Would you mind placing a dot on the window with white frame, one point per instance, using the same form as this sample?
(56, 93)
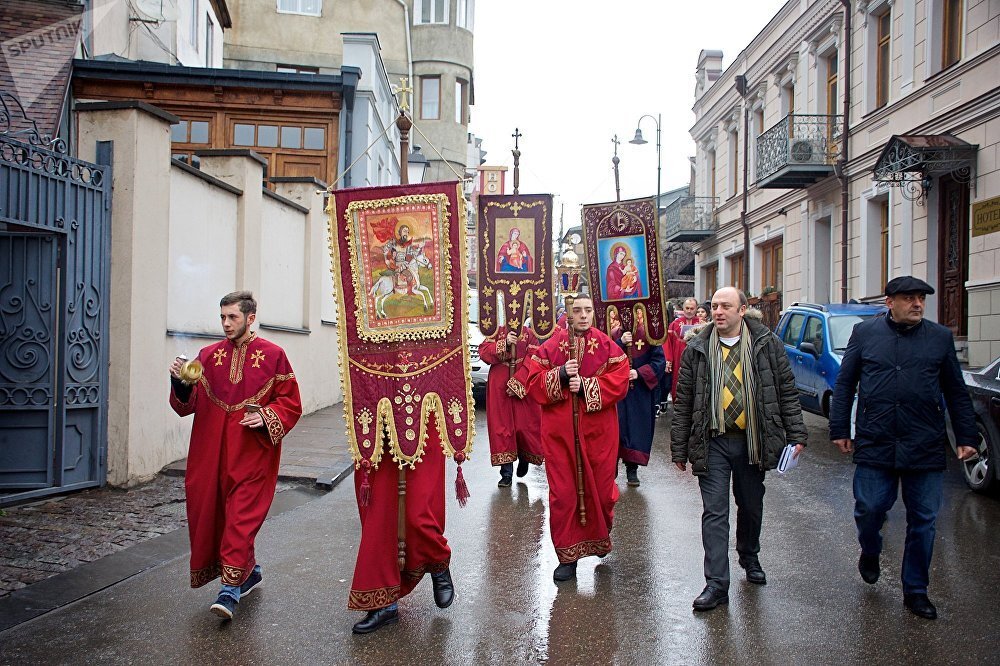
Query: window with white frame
(710, 163)
(430, 97)
(193, 24)
(787, 97)
(878, 33)
(209, 40)
(430, 11)
(461, 96)
(876, 244)
(465, 13)
(734, 161)
(945, 34)
(305, 7)
(756, 129)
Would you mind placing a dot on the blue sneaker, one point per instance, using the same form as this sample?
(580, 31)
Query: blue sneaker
(224, 606)
(252, 582)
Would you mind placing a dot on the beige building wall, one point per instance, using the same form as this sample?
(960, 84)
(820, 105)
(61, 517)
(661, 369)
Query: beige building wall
(182, 239)
(924, 98)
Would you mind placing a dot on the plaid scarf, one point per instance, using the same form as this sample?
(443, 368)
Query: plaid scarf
(716, 365)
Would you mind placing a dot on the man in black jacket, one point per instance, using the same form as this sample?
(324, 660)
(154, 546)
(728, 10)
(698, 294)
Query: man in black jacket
(900, 366)
(736, 408)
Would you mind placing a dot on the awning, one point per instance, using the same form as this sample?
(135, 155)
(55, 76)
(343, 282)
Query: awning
(911, 158)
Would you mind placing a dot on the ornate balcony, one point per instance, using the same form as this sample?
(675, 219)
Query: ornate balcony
(798, 151)
(691, 219)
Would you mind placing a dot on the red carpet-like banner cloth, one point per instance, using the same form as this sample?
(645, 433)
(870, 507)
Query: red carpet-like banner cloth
(623, 267)
(400, 280)
(515, 262)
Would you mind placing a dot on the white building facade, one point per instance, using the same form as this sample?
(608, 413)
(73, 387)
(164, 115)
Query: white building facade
(923, 186)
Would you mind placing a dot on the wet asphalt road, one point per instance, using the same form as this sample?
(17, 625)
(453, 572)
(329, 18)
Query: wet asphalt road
(634, 607)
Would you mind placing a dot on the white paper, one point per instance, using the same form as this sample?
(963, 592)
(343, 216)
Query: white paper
(787, 461)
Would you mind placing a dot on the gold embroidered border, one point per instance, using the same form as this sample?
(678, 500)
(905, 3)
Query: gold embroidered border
(553, 385)
(418, 573)
(394, 334)
(532, 458)
(254, 398)
(275, 430)
(405, 375)
(583, 549)
(592, 393)
(232, 575)
(502, 458)
(517, 388)
(206, 575)
(239, 358)
(544, 362)
(367, 600)
(502, 347)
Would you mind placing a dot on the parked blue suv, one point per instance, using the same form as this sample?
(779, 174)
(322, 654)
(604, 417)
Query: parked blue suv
(815, 338)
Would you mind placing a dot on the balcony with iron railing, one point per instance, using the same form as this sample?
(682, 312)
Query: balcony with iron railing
(691, 219)
(798, 151)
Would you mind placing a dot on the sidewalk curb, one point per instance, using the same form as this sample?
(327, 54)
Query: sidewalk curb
(65, 588)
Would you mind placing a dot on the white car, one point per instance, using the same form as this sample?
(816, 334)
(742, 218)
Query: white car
(480, 370)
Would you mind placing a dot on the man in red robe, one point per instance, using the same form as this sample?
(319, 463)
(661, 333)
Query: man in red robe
(579, 375)
(513, 422)
(244, 404)
(675, 340)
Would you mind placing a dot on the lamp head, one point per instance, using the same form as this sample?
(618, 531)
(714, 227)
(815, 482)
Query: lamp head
(637, 139)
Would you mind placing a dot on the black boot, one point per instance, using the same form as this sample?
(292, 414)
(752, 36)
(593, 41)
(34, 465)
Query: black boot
(376, 619)
(632, 474)
(444, 589)
(522, 467)
(564, 572)
(506, 473)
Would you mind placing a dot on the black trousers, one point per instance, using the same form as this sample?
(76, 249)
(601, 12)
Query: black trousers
(728, 459)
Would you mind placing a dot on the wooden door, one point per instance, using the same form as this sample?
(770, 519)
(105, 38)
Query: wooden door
(953, 260)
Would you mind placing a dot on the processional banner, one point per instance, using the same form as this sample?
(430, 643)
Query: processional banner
(623, 267)
(399, 269)
(515, 263)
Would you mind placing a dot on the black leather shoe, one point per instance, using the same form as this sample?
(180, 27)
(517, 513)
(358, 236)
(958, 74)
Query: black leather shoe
(564, 572)
(376, 619)
(632, 474)
(506, 472)
(755, 573)
(710, 598)
(522, 467)
(505, 481)
(869, 568)
(444, 589)
(920, 605)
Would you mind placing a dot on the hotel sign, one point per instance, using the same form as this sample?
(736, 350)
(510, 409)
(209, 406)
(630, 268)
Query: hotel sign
(986, 217)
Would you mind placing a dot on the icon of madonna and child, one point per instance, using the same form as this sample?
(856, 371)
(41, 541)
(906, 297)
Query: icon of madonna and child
(514, 256)
(623, 260)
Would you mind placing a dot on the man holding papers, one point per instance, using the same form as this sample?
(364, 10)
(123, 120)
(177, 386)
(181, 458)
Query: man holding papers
(736, 409)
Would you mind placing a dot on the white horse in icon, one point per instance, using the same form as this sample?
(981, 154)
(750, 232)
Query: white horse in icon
(387, 286)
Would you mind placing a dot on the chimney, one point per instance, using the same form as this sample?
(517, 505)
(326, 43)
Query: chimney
(709, 70)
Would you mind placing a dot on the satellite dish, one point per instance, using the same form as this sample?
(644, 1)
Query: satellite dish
(157, 10)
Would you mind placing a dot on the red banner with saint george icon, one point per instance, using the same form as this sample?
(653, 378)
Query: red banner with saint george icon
(398, 258)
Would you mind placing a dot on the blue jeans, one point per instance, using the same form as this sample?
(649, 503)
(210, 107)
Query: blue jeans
(875, 491)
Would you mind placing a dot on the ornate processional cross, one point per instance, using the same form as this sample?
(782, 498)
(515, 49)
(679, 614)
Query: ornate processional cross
(403, 91)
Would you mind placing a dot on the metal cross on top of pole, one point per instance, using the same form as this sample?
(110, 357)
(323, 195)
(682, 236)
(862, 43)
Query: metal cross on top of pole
(517, 161)
(615, 161)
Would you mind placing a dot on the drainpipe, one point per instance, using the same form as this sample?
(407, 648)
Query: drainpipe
(409, 47)
(845, 195)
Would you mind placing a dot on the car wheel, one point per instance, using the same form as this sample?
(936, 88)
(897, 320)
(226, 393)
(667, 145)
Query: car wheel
(979, 472)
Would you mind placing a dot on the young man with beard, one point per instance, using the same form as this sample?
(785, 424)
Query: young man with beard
(244, 404)
(577, 376)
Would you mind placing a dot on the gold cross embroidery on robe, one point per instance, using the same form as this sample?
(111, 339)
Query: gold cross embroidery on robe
(219, 354)
(257, 357)
(592, 346)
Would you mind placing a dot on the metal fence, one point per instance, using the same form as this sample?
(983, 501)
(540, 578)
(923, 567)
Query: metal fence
(691, 214)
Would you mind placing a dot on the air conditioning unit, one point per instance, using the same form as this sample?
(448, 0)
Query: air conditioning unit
(802, 151)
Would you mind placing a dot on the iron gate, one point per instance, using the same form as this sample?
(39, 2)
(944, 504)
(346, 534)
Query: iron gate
(55, 257)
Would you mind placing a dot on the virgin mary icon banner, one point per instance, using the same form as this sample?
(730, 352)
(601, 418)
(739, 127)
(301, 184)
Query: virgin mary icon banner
(623, 267)
(515, 262)
(399, 271)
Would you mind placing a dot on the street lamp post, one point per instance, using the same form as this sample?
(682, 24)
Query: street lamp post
(638, 140)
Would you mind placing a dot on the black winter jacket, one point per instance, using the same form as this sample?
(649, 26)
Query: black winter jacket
(900, 374)
(778, 409)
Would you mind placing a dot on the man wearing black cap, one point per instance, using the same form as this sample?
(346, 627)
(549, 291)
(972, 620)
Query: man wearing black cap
(900, 366)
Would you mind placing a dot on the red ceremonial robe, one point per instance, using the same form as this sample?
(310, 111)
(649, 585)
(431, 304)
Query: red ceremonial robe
(604, 369)
(232, 470)
(513, 422)
(378, 581)
(675, 348)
